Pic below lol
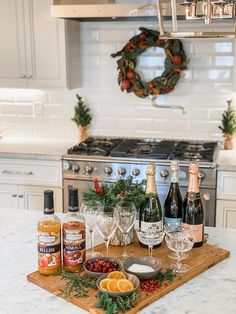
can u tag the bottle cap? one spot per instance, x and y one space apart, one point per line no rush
174 165
48 202
73 200
151 169
193 168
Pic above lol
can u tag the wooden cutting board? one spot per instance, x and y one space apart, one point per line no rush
200 259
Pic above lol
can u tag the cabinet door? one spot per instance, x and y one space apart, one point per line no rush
12 52
226 214
45 46
31 197
8 196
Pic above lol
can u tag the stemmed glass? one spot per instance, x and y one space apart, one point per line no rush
90 212
106 224
125 213
150 237
170 227
180 241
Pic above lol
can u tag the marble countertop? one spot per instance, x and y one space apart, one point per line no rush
212 292
226 160
33 148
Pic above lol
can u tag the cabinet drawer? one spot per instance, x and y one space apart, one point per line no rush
226 185
34 172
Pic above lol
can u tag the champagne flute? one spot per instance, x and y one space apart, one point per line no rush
90 212
124 215
106 224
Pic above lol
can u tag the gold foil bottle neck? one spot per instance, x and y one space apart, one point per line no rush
151 169
193 168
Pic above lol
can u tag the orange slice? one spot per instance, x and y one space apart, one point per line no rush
116 275
112 285
125 285
103 283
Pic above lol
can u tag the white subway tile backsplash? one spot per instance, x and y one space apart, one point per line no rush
202 90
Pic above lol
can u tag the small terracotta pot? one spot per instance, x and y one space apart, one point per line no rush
82 133
228 144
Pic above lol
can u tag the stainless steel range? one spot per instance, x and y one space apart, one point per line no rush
110 158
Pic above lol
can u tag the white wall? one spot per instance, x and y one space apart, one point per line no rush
203 91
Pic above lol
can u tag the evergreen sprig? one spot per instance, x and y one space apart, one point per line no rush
228 120
82 113
116 305
122 189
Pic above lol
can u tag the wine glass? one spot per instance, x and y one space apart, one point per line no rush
150 237
124 215
180 241
90 212
106 224
170 227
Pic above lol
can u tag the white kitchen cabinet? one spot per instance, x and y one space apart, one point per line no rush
226 214
8 196
37 50
226 199
23 181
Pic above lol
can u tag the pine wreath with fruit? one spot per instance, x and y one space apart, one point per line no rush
175 62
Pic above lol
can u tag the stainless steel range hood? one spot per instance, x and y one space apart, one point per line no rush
203 13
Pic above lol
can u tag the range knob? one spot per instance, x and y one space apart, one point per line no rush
135 172
75 168
67 165
108 170
121 171
88 169
164 173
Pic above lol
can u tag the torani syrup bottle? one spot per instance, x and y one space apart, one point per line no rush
74 248
49 238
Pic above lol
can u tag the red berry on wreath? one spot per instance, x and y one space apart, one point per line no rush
142 36
159 41
150 85
177 59
125 84
130 74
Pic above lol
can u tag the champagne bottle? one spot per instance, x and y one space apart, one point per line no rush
173 205
49 238
193 213
150 211
73 235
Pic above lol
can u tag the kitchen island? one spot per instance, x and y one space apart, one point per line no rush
214 291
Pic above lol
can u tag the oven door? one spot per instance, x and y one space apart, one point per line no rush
81 185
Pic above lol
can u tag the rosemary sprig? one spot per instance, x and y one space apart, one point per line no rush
116 305
167 275
77 284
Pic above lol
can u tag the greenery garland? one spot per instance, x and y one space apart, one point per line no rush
175 62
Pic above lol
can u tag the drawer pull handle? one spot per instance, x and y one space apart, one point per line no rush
19 173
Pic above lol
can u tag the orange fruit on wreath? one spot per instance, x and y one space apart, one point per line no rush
125 285
116 275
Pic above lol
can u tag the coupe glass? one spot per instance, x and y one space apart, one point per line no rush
180 241
106 224
125 213
150 237
90 213
169 227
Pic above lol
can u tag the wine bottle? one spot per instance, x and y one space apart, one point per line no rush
49 238
173 205
73 235
193 213
150 211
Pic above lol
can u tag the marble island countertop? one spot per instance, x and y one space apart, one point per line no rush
33 148
212 292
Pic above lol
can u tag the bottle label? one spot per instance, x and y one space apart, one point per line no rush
147 225
197 231
173 221
74 246
49 249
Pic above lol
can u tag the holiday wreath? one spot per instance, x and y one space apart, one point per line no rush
175 62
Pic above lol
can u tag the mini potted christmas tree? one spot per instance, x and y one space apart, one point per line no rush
228 127
82 118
